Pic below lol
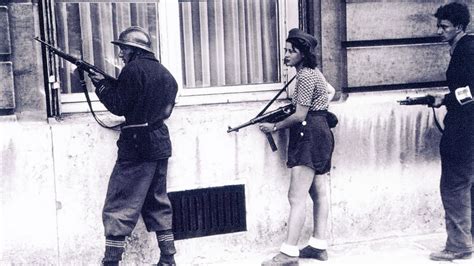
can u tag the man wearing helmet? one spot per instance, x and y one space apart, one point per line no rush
144 94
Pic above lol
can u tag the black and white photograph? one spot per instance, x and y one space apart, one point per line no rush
236 132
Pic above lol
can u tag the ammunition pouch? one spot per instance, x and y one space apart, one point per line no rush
331 119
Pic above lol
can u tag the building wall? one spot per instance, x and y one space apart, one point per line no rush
384 180
21 92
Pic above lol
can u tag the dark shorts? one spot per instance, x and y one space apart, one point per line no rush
311 144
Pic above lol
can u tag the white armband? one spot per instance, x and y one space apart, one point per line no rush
463 95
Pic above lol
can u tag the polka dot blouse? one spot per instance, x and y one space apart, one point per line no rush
311 89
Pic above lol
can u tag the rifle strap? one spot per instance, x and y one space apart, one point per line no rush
86 93
437 122
276 96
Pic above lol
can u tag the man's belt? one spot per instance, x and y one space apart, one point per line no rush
151 127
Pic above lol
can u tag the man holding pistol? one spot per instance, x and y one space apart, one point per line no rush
144 94
457 142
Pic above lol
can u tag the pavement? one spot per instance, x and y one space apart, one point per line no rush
411 250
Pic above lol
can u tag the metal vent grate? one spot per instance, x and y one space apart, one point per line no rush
208 211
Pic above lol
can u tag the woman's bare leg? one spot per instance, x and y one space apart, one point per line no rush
301 180
319 193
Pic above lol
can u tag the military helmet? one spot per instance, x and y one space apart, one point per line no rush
135 36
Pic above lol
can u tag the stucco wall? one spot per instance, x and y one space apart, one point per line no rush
53 174
28 226
384 180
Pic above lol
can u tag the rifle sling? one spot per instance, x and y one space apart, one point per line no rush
86 93
276 96
437 122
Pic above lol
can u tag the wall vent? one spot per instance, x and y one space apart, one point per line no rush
208 211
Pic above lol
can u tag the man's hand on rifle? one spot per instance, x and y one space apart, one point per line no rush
438 101
266 127
96 78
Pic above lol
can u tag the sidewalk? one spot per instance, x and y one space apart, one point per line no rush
413 250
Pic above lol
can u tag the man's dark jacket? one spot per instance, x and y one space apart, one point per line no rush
457 143
145 92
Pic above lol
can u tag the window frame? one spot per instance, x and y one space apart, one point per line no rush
170 57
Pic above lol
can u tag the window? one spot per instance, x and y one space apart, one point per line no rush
85 29
229 42
212 47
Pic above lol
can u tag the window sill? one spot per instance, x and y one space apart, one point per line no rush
229 94
75 103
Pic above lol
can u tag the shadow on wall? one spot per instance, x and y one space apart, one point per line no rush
385 169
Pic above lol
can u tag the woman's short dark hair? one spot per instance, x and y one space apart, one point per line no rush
309 57
456 13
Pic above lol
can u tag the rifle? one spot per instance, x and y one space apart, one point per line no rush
81 64
270 117
82 67
424 100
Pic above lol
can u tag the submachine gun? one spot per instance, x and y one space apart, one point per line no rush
423 100
82 66
270 117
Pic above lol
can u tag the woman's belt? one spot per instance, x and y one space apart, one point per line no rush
331 118
318 112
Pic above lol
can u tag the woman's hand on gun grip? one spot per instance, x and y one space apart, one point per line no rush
266 127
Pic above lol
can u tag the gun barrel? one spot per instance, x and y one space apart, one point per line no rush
232 129
424 100
270 117
60 53
83 65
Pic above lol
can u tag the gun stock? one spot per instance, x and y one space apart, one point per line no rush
424 100
82 65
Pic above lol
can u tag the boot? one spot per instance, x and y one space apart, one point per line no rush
167 248
281 259
166 260
446 255
309 252
110 263
114 248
